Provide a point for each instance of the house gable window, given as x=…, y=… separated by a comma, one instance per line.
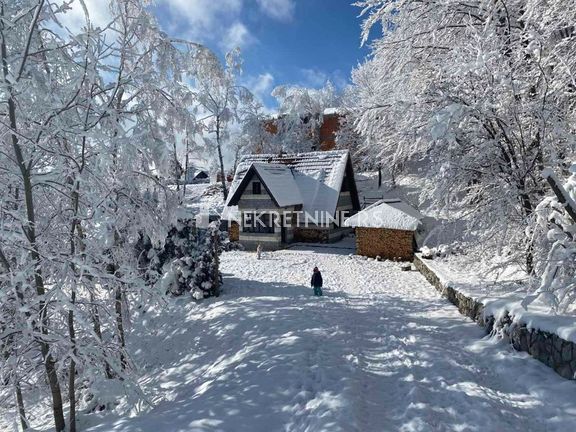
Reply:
x=256, y=188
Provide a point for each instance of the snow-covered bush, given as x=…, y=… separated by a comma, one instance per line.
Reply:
x=188, y=261
x=558, y=267
x=229, y=246
x=442, y=250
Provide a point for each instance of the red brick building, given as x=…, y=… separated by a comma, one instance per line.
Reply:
x=326, y=132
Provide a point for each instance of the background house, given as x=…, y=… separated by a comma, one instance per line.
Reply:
x=387, y=229
x=322, y=127
x=331, y=122
x=319, y=184
x=195, y=175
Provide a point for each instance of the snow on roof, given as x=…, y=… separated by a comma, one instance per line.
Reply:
x=389, y=214
x=403, y=206
x=317, y=175
x=333, y=111
x=280, y=182
x=230, y=213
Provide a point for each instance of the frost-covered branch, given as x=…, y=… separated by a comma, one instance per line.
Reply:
x=562, y=195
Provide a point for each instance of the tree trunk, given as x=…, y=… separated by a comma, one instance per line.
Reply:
x=5, y=348
x=57, y=405
x=72, y=371
x=186, y=163
x=20, y=405
x=30, y=230
x=220, y=157
x=71, y=328
x=527, y=209
x=120, y=325
x=17, y=390
x=216, y=276
x=95, y=315
x=94, y=311
x=98, y=330
x=559, y=192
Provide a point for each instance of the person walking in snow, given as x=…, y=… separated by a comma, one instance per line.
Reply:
x=316, y=282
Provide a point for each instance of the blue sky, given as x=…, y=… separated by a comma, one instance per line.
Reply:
x=303, y=42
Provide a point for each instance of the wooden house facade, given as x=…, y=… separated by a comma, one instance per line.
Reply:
x=280, y=199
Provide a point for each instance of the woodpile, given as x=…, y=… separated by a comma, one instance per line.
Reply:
x=311, y=235
x=385, y=243
x=234, y=231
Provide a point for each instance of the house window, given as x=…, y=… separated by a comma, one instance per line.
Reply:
x=259, y=223
x=256, y=188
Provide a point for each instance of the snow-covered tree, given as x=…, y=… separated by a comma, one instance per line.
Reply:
x=220, y=96
x=347, y=136
x=86, y=122
x=295, y=128
x=483, y=91
x=556, y=228
x=301, y=113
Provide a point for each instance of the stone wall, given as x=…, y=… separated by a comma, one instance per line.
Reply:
x=385, y=243
x=550, y=349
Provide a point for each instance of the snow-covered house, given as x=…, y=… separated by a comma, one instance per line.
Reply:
x=279, y=199
x=386, y=229
x=194, y=175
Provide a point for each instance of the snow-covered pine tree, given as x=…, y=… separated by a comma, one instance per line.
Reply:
x=189, y=260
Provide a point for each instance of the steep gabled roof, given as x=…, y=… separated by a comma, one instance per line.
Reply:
x=278, y=181
x=389, y=214
x=317, y=175
x=193, y=172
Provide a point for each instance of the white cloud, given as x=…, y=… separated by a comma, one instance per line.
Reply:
x=75, y=18
x=237, y=36
x=210, y=21
x=261, y=86
x=339, y=79
x=204, y=15
x=314, y=77
x=281, y=10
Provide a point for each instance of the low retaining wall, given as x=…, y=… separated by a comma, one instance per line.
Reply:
x=549, y=348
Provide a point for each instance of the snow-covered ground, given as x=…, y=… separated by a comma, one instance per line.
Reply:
x=501, y=294
x=380, y=352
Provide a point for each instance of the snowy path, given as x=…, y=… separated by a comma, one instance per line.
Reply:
x=381, y=352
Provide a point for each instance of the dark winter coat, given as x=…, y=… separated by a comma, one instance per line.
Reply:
x=316, y=281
